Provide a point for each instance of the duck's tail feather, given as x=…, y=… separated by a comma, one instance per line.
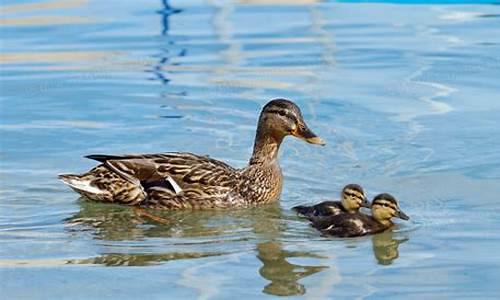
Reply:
x=80, y=185
x=104, y=157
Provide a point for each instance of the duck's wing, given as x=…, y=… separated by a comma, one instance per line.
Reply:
x=323, y=209
x=198, y=198
x=179, y=170
x=321, y=222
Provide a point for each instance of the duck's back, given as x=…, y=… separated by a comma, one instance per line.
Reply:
x=186, y=169
x=169, y=176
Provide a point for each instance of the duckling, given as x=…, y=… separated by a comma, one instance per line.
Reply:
x=352, y=198
x=180, y=180
x=384, y=207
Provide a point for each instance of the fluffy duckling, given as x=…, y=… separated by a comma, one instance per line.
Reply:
x=352, y=198
x=384, y=207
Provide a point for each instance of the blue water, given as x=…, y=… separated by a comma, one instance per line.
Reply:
x=407, y=97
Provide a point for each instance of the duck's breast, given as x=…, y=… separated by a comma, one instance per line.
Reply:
x=261, y=183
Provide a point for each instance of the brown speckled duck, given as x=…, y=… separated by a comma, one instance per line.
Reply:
x=352, y=198
x=177, y=180
x=384, y=207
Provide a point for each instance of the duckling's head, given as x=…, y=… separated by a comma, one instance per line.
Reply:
x=281, y=117
x=353, y=197
x=384, y=207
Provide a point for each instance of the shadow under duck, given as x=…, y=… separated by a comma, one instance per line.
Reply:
x=352, y=198
x=177, y=180
x=384, y=207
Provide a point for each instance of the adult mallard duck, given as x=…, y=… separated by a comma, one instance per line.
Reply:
x=352, y=198
x=384, y=207
x=177, y=180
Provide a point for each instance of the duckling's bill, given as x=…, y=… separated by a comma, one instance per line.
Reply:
x=365, y=203
x=400, y=214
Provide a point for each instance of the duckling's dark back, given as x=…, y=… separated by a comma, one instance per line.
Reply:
x=323, y=209
x=346, y=225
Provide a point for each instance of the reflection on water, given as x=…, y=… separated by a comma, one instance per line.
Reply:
x=138, y=259
x=385, y=247
x=204, y=229
x=168, y=51
x=30, y=7
x=284, y=276
x=166, y=12
x=44, y=20
x=117, y=223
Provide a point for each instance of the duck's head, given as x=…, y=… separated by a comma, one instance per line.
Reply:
x=385, y=207
x=353, y=197
x=280, y=118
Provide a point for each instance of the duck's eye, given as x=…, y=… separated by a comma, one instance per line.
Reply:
x=283, y=113
x=279, y=112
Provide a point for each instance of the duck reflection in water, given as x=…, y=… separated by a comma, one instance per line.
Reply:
x=138, y=259
x=284, y=276
x=115, y=223
x=121, y=223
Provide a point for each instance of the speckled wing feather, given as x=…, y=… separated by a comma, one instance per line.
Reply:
x=199, y=177
x=214, y=197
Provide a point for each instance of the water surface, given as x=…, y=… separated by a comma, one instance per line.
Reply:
x=406, y=96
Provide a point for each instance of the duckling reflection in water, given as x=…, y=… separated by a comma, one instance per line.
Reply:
x=352, y=198
x=384, y=207
x=386, y=247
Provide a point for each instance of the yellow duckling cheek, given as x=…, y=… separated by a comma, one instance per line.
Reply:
x=380, y=213
x=350, y=204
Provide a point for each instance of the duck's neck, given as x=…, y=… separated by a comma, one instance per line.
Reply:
x=266, y=147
